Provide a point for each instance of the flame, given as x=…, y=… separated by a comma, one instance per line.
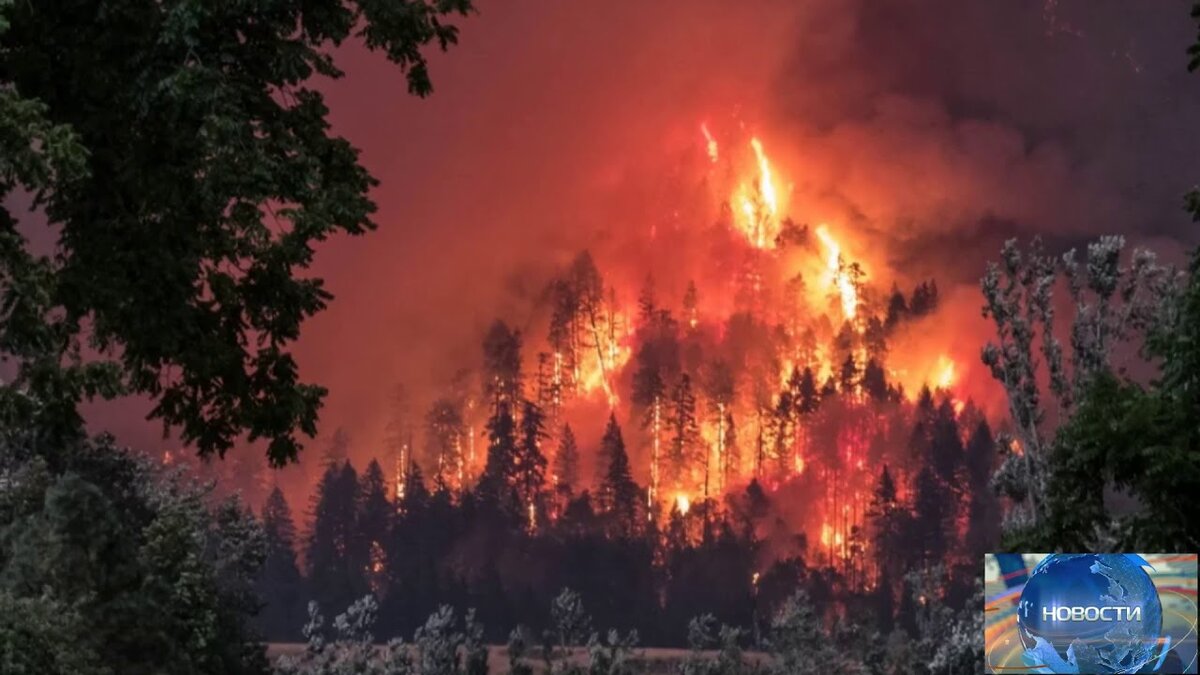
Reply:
x=838, y=276
x=946, y=376
x=1015, y=446
x=599, y=365
x=710, y=143
x=765, y=186
x=759, y=202
x=683, y=503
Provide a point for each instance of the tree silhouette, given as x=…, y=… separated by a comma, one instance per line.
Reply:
x=618, y=494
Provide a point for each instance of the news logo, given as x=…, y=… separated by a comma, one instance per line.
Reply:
x=1090, y=613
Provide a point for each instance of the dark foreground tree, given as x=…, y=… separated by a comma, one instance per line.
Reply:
x=186, y=167
x=182, y=172
x=280, y=585
x=134, y=573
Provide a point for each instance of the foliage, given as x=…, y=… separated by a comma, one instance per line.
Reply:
x=41, y=636
x=144, y=573
x=279, y=580
x=187, y=168
x=1142, y=440
x=1114, y=304
x=618, y=494
x=438, y=648
x=702, y=635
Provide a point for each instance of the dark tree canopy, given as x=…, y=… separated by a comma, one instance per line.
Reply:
x=188, y=170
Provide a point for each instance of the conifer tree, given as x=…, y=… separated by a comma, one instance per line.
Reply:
x=683, y=446
x=530, y=460
x=848, y=375
x=501, y=365
x=373, y=523
x=647, y=302
x=808, y=398
x=566, y=463
x=897, y=309
x=618, y=495
x=501, y=473
x=280, y=584
x=874, y=381
x=444, y=439
x=335, y=578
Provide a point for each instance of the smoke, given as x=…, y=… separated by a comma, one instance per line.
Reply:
x=924, y=133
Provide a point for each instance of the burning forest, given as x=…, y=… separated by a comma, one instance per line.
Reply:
x=781, y=359
x=748, y=327
x=778, y=413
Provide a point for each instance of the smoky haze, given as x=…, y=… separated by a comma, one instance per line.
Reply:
x=925, y=132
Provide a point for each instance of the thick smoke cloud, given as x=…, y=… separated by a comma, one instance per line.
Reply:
x=926, y=132
x=953, y=125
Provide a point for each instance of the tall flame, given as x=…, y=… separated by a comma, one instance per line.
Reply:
x=765, y=185
x=845, y=286
x=759, y=202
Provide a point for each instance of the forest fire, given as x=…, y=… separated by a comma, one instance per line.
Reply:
x=774, y=366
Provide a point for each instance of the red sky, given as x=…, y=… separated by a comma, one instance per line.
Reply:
x=932, y=131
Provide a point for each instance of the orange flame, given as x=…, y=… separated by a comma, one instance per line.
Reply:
x=838, y=276
x=683, y=503
x=759, y=203
x=946, y=376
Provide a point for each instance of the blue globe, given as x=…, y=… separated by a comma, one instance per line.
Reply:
x=1090, y=613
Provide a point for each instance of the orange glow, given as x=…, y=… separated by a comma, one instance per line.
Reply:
x=758, y=202
x=837, y=274
x=765, y=185
x=945, y=374
x=1015, y=446
x=710, y=143
x=683, y=503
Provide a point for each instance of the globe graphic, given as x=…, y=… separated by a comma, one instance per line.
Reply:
x=1116, y=641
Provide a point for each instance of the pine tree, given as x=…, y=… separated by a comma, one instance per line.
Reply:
x=373, y=525
x=279, y=582
x=500, y=476
x=897, y=309
x=647, y=303
x=933, y=513
x=875, y=339
x=924, y=299
x=683, y=446
x=783, y=424
x=530, y=461
x=335, y=579
x=889, y=523
x=618, y=495
x=720, y=395
x=444, y=440
x=566, y=463
x=501, y=365
x=874, y=381
x=808, y=399
x=946, y=448
x=848, y=375
x=564, y=333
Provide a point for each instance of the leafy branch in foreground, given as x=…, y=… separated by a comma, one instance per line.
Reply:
x=185, y=166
